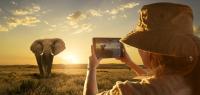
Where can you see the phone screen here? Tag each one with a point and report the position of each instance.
(107, 47)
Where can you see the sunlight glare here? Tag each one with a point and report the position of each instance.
(70, 58)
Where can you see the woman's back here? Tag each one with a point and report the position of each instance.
(164, 85)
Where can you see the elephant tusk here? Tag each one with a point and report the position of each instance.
(52, 54)
(41, 53)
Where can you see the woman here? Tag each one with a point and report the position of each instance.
(166, 43)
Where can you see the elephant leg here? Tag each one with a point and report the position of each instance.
(39, 62)
(49, 65)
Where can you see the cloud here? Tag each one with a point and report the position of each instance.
(84, 28)
(124, 16)
(26, 16)
(74, 19)
(196, 30)
(78, 20)
(3, 28)
(27, 11)
(13, 2)
(77, 16)
(122, 8)
(26, 21)
(93, 12)
(112, 17)
(45, 22)
(1, 12)
(15, 22)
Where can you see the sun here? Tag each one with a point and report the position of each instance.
(70, 58)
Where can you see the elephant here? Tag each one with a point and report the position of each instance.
(45, 50)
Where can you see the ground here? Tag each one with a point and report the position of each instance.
(65, 80)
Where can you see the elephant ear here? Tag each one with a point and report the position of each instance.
(37, 47)
(58, 46)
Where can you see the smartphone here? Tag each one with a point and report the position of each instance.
(107, 47)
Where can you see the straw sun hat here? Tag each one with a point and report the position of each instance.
(165, 28)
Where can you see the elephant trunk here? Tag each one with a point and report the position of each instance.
(46, 60)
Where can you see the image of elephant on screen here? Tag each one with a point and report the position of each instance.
(45, 50)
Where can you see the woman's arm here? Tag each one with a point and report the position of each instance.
(138, 70)
(127, 60)
(90, 86)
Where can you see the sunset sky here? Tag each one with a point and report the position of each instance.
(74, 21)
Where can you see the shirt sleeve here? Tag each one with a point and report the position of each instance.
(162, 86)
(123, 88)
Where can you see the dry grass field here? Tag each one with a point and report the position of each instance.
(65, 80)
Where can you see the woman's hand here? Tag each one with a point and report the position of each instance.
(127, 60)
(90, 86)
(93, 60)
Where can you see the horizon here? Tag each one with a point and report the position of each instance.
(74, 21)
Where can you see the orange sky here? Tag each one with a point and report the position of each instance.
(74, 21)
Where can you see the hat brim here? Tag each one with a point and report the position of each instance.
(160, 42)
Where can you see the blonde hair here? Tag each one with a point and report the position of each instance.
(188, 67)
